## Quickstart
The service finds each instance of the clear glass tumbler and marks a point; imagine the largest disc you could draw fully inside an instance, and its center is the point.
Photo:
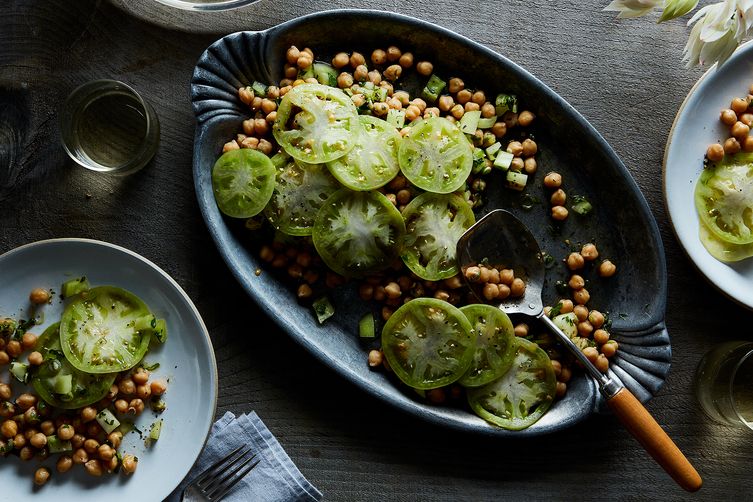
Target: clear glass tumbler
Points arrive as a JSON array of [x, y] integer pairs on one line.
[[106, 126], [724, 384]]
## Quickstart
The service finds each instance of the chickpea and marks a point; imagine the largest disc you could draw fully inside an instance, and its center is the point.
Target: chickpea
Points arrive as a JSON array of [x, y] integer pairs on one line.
[[7, 409], [575, 261], [561, 389], [566, 306], [747, 145], [230, 145], [41, 476], [292, 54], [406, 60], [506, 276], [380, 109], [581, 312], [518, 287], [504, 291], [529, 147], [77, 441], [31, 417], [114, 438], [88, 414], [589, 252], [525, 118], [558, 197], [13, 348], [261, 127], [581, 296], [121, 406], [463, 96], [105, 452], [291, 72], [731, 146], [602, 363], [601, 337], [484, 274], [127, 386], [455, 85], [517, 164], [5, 392], [473, 274], [576, 282], [510, 119], [35, 358], [739, 105], [268, 106], [585, 329], [565, 375], [304, 61], [515, 148], [412, 113], [91, 446], [375, 358], [557, 367], [457, 111], [378, 57], [65, 432], [38, 296], [145, 391], [246, 95], [304, 291], [19, 441], [436, 396], [26, 401], [442, 295], [747, 119], [596, 318], [609, 349], [530, 166], [94, 466], [38, 440], [487, 110], [607, 269], [740, 130], [9, 428], [424, 68], [64, 463], [47, 427], [140, 376], [728, 117], [265, 147], [553, 180], [470, 106], [392, 290], [521, 330], [361, 73], [80, 456], [559, 213], [374, 77], [393, 72], [494, 276], [591, 353], [357, 59], [136, 406], [499, 129], [490, 291], [340, 60]]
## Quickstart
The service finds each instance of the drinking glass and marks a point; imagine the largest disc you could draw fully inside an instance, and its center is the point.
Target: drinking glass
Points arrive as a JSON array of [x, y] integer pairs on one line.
[[106, 126], [724, 384]]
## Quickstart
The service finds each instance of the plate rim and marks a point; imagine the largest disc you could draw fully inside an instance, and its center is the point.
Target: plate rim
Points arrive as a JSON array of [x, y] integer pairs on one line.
[[665, 191], [181, 292], [233, 252]]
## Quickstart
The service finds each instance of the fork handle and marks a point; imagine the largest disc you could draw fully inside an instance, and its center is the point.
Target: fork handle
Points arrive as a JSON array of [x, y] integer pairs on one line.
[[639, 422]]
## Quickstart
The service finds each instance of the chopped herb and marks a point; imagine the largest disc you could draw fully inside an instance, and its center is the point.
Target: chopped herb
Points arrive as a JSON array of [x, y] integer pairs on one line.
[[547, 259], [323, 309], [555, 310], [581, 205], [527, 201], [150, 367]]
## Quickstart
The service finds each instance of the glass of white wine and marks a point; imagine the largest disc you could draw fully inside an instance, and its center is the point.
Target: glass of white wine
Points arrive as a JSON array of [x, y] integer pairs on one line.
[[724, 384]]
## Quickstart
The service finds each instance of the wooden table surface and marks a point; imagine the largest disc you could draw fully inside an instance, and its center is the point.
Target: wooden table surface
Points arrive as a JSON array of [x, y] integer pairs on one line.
[[624, 76]]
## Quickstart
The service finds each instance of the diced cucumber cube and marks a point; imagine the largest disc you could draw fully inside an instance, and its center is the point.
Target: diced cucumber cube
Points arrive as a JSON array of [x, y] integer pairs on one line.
[[107, 420], [57, 445], [469, 122], [503, 160], [487, 122], [74, 287], [491, 151], [366, 326], [516, 180], [20, 371], [323, 309]]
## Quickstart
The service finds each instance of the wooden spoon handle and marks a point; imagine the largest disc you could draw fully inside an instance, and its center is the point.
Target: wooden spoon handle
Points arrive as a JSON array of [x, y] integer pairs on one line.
[[639, 422]]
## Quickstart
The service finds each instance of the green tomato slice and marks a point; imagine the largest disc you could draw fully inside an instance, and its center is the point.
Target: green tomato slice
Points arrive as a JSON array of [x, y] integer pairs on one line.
[[495, 350], [724, 199], [372, 162], [434, 223], [85, 388], [99, 331], [357, 233], [723, 251], [243, 181], [436, 156], [428, 343], [521, 396], [316, 123], [299, 192]]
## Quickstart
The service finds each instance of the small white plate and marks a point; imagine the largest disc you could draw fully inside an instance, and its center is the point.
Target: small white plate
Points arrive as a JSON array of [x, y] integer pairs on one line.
[[695, 127], [186, 360]]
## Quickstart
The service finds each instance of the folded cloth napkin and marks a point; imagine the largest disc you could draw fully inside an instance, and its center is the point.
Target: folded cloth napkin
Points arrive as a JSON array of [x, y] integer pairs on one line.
[[274, 479]]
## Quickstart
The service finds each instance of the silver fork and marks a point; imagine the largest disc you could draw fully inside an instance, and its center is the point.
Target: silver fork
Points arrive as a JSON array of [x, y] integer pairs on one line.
[[214, 483]]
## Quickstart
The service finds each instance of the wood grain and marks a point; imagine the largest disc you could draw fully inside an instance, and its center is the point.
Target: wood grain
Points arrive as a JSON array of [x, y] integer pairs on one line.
[[624, 76]]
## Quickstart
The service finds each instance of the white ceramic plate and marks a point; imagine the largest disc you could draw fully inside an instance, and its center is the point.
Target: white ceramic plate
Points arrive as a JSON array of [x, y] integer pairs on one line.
[[696, 126], [187, 360]]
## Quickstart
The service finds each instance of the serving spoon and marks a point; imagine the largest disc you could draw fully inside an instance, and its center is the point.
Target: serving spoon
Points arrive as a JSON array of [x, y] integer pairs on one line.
[[500, 237]]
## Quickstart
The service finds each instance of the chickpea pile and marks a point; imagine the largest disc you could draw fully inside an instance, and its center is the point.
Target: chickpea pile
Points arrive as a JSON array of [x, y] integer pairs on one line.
[[29, 423], [739, 118], [499, 283]]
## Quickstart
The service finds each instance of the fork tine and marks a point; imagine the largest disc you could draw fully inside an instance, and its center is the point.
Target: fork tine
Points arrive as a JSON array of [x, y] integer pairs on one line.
[[211, 470], [229, 470], [232, 482]]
